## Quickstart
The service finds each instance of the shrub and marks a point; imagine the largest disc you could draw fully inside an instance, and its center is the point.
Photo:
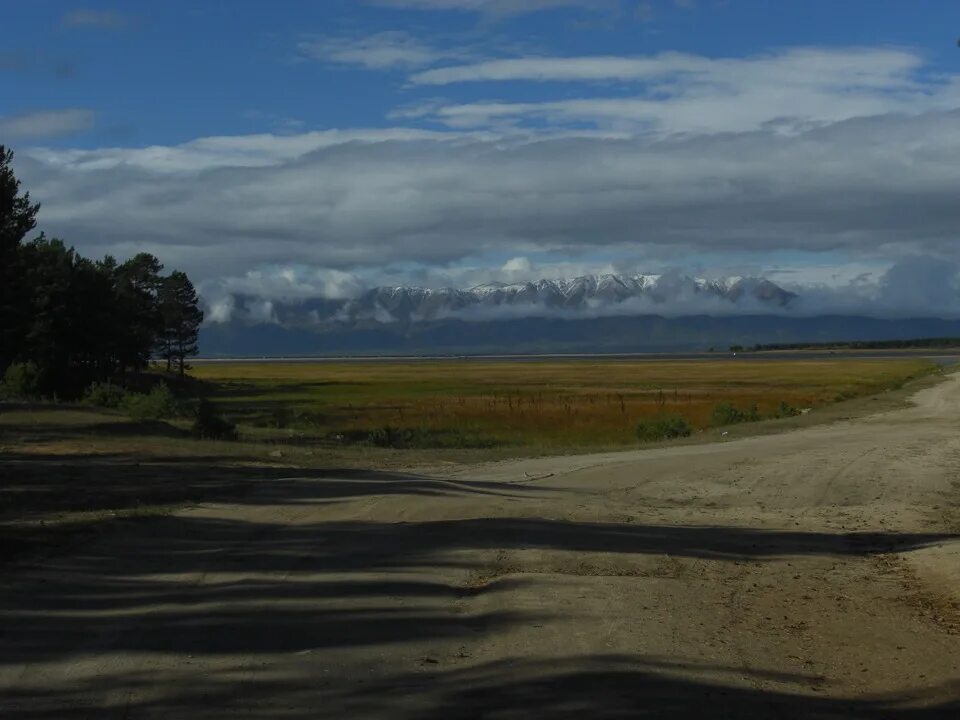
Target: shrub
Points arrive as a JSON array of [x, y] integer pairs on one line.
[[424, 437], [21, 381], [280, 417], [663, 428], [786, 410], [154, 405], [727, 414], [209, 424], [105, 395]]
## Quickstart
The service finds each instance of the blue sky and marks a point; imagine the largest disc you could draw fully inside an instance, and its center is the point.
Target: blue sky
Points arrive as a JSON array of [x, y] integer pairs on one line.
[[291, 148], [166, 73]]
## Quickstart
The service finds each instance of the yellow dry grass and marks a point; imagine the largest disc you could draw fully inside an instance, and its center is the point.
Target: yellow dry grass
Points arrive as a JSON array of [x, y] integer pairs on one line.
[[551, 402]]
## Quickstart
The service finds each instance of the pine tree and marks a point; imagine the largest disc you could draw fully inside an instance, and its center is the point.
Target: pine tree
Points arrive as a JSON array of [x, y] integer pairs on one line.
[[17, 214], [17, 218], [179, 307], [138, 283]]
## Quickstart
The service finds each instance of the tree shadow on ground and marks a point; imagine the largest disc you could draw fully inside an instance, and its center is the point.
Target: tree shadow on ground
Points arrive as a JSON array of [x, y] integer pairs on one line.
[[201, 584], [39, 485], [209, 585], [596, 687]]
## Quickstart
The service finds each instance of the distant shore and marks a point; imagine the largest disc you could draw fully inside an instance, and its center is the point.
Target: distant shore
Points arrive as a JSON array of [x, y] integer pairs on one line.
[[942, 356]]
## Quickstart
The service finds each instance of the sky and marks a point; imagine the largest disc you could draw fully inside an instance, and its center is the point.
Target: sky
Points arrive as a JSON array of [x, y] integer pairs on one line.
[[291, 150]]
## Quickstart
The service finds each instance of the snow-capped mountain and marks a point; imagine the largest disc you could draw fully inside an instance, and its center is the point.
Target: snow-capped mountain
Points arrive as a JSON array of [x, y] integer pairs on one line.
[[574, 297], [590, 314]]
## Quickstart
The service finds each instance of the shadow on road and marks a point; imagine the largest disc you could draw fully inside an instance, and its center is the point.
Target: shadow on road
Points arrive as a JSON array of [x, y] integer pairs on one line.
[[598, 688], [197, 585]]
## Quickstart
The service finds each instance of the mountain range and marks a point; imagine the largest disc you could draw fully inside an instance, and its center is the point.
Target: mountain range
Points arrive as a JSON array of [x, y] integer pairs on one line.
[[586, 295], [592, 313]]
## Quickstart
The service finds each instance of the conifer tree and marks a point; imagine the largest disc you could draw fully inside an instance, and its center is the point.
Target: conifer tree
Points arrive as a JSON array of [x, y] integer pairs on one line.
[[179, 307], [17, 218]]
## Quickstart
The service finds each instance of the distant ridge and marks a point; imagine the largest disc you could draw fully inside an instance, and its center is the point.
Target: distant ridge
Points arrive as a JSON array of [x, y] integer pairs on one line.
[[572, 296], [580, 297], [589, 314]]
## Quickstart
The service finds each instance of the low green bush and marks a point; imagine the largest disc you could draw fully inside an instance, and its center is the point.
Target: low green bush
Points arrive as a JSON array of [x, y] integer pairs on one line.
[[21, 381], [786, 410], [663, 428], [281, 417], [105, 395], [728, 414], [157, 404], [210, 425], [402, 438]]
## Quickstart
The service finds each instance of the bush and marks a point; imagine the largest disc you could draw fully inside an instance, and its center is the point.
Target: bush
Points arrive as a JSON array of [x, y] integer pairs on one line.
[[210, 425], [105, 395], [664, 428], [21, 381], [281, 417], [424, 437], [786, 410], [727, 414], [154, 405]]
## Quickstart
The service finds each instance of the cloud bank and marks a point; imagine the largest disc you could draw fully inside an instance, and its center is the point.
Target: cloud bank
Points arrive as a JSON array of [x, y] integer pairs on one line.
[[884, 183]]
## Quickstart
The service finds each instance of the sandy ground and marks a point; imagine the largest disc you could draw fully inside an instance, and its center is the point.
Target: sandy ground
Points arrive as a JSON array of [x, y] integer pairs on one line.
[[814, 574]]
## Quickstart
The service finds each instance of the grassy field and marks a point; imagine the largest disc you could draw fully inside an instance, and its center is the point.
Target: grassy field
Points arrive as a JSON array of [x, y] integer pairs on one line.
[[548, 404]]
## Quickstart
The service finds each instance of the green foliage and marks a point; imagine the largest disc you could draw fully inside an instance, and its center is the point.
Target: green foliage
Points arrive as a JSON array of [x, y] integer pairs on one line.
[[668, 427], [105, 395], [181, 315], [78, 320], [17, 218], [210, 425], [17, 214], [425, 437], [729, 414], [157, 404], [136, 286], [281, 417], [785, 410], [21, 381]]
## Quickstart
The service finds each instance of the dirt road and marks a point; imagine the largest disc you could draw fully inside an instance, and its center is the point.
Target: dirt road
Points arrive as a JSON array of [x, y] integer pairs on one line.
[[814, 574]]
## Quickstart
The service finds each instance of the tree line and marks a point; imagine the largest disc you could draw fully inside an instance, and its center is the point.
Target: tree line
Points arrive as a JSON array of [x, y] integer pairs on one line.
[[79, 321]]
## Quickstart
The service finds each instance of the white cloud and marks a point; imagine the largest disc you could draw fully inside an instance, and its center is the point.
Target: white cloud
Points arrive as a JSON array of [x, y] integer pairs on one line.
[[44, 124], [678, 93], [228, 151], [844, 67], [220, 310], [288, 283], [382, 51], [518, 266]]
